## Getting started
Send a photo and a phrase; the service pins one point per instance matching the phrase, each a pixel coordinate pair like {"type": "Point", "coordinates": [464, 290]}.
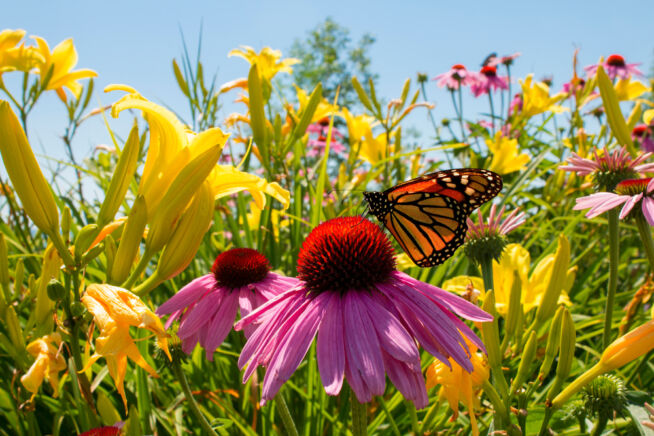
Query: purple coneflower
{"type": "Point", "coordinates": [368, 317]}
{"type": "Point", "coordinates": [629, 193]}
{"type": "Point", "coordinates": [609, 168]}
{"type": "Point", "coordinates": [458, 75]}
{"type": "Point", "coordinates": [239, 278]}
{"type": "Point", "coordinates": [644, 135]}
{"type": "Point", "coordinates": [486, 240]}
{"type": "Point", "coordinates": [615, 66]}
{"type": "Point", "coordinates": [488, 79]}
{"type": "Point", "coordinates": [575, 85]}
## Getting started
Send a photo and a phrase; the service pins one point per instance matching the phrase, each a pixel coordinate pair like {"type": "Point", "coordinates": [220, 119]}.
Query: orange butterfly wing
{"type": "Point", "coordinates": [427, 215]}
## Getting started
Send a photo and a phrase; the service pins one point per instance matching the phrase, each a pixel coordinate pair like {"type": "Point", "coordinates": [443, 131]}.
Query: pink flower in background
{"type": "Point", "coordinates": [316, 146]}
{"type": "Point", "coordinates": [644, 135]}
{"type": "Point", "coordinates": [633, 193]}
{"type": "Point", "coordinates": [458, 75]}
{"type": "Point", "coordinates": [504, 60]}
{"type": "Point", "coordinates": [239, 278]}
{"type": "Point", "coordinates": [487, 80]}
{"type": "Point", "coordinates": [516, 104]}
{"type": "Point", "coordinates": [574, 85]}
{"type": "Point", "coordinates": [615, 66]}
{"type": "Point", "coordinates": [369, 318]}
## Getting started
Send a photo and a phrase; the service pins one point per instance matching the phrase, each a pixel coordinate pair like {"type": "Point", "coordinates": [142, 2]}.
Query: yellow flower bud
{"type": "Point", "coordinates": [623, 350]}
{"type": "Point", "coordinates": [121, 178]}
{"type": "Point", "coordinates": [129, 242]}
{"type": "Point", "coordinates": [525, 362]}
{"type": "Point", "coordinates": [566, 353]}
{"type": "Point", "coordinates": [50, 270]}
{"type": "Point", "coordinates": [178, 196]}
{"type": "Point", "coordinates": [26, 176]}
{"type": "Point", "coordinates": [188, 235]}
{"type": "Point", "coordinates": [14, 329]}
{"type": "Point", "coordinates": [553, 341]}
{"type": "Point", "coordinates": [4, 273]}
{"type": "Point", "coordinates": [612, 108]}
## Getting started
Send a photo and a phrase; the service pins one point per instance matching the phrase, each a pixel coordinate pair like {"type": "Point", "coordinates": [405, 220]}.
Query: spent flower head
{"type": "Point", "coordinates": [369, 318]}
{"type": "Point", "coordinates": [240, 279]}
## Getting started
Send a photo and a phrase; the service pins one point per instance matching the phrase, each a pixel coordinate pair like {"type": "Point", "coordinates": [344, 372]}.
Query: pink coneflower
{"type": "Point", "coordinates": [485, 240]}
{"type": "Point", "coordinates": [239, 278]}
{"type": "Point", "coordinates": [109, 430]}
{"type": "Point", "coordinates": [609, 168]}
{"type": "Point", "coordinates": [615, 66]}
{"type": "Point", "coordinates": [316, 146]}
{"type": "Point", "coordinates": [516, 104]}
{"type": "Point", "coordinates": [644, 135]}
{"type": "Point", "coordinates": [368, 317]}
{"type": "Point", "coordinates": [574, 86]}
{"type": "Point", "coordinates": [458, 75]}
{"type": "Point", "coordinates": [488, 79]}
{"type": "Point", "coordinates": [504, 60]}
{"type": "Point", "coordinates": [629, 193]}
{"type": "Point", "coordinates": [495, 225]}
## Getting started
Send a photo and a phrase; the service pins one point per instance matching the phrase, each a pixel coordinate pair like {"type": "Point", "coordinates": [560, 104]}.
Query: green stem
{"type": "Point", "coordinates": [600, 425]}
{"type": "Point", "coordinates": [359, 418]}
{"type": "Point", "coordinates": [549, 411]}
{"type": "Point", "coordinates": [429, 417]}
{"type": "Point", "coordinates": [646, 236]}
{"type": "Point", "coordinates": [140, 267]}
{"type": "Point", "coordinates": [492, 110]}
{"type": "Point", "coordinates": [59, 244]}
{"type": "Point", "coordinates": [487, 274]}
{"type": "Point", "coordinates": [177, 370]}
{"type": "Point", "coordinates": [285, 415]}
{"type": "Point", "coordinates": [464, 137]}
{"type": "Point", "coordinates": [614, 259]}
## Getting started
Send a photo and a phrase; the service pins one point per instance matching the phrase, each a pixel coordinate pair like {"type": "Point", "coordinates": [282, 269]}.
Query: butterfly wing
{"type": "Point", "coordinates": [429, 227]}
{"type": "Point", "coordinates": [427, 215]}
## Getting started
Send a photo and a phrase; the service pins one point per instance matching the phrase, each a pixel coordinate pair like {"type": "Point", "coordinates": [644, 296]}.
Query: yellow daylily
{"type": "Point", "coordinates": [324, 110]}
{"type": "Point", "coordinates": [536, 98]}
{"type": "Point", "coordinates": [49, 362]}
{"type": "Point", "coordinates": [374, 148]}
{"type": "Point", "coordinates": [267, 60]}
{"type": "Point", "coordinates": [468, 287]}
{"type": "Point", "coordinates": [648, 116]}
{"type": "Point", "coordinates": [506, 158]}
{"type": "Point", "coordinates": [623, 350]}
{"type": "Point", "coordinates": [358, 126]}
{"type": "Point", "coordinates": [17, 57]}
{"type": "Point", "coordinates": [172, 146]}
{"type": "Point", "coordinates": [61, 62]}
{"type": "Point", "coordinates": [457, 384]}
{"type": "Point", "coordinates": [516, 258]}
{"type": "Point", "coordinates": [114, 311]}
{"type": "Point", "coordinates": [627, 89]}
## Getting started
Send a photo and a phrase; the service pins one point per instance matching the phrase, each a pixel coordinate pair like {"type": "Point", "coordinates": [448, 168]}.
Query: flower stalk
{"type": "Point", "coordinates": [646, 237]}
{"type": "Point", "coordinates": [285, 415]}
{"type": "Point", "coordinates": [177, 370]}
{"type": "Point", "coordinates": [614, 259]}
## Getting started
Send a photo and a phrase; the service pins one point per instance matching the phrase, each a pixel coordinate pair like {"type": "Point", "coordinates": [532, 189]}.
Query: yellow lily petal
{"type": "Point", "coordinates": [226, 180]}
{"type": "Point", "coordinates": [506, 157]}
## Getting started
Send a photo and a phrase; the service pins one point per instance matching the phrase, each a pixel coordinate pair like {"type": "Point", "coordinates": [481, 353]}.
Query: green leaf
{"type": "Point", "coordinates": [307, 114]}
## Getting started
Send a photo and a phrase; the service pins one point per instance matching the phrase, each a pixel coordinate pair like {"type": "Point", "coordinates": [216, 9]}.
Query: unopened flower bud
{"type": "Point", "coordinates": [56, 290]}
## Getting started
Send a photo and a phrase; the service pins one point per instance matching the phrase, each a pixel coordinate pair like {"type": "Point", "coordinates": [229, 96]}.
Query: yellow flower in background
{"type": "Point", "coordinates": [374, 148]}
{"type": "Point", "coordinates": [358, 126]}
{"type": "Point", "coordinates": [267, 60]}
{"type": "Point", "coordinates": [536, 98]}
{"type": "Point", "coordinates": [325, 109]}
{"type": "Point", "coordinates": [114, 311]}
{"type": "Point", "coordinates": [648, 116]}
{"type": "Point", "coordinates": [226, 180]}
{"type": "Point", "coordinates": [516, 258]}
{"type": "Point", "coordinates": [58, 65]}
{"type": "Point", "coordinates": [49, 362]}
{"type": "Point", "coordinates": [17, 57]}
{"type": "Point", "coordinates": [627, 89]}
{"type": "Point", "coordinates": [457, 384]}
{"type": "Point", "coordinates": [467, 287]}
{"type": "Point", "coordinates": [506, 158]}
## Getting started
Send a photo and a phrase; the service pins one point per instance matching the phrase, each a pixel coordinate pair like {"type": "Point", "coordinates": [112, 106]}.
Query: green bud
{"type": "Point", "coordinates": [515, 308]}
{"type": "Point", "coordinates": [14, 329]}
{"type": "Point", "coordinates": [566, 353]}
{"type": "Point", "coordinates": [557, 281]}
{"type": "Point", "coordinates": [93, 253]}
{"type": "Point", "coordinates": [525, 362]}
{"type": "Point", "coordinates": [65, 223]}
{"type": "Point", "coordinates": [77, 309]}
{"type": "Point", "coordinates": [19, 276]}
{"type": "Point", "coordinates": [604, 396]}
{"type": "Point", "coordinates": [85, 238]}
{"type": "Point", "coordinates": [123, 175]}
{"type": "Point", "coordinates": [553, 341]}
{"type": "Point", "coordinates": [128, 247]}
{"type": "Point", "coordinates": [56, 290]}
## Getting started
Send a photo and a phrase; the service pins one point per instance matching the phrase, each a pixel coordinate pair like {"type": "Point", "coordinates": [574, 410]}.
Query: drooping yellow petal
{"type": "Point", "coordinates": [226, 180]}
{"type": "Point", "coordinates": [627, 89]}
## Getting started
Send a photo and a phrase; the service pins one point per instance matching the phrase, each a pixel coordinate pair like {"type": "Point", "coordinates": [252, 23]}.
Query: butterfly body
{"type": "Point", "coordinates": [427, 215]}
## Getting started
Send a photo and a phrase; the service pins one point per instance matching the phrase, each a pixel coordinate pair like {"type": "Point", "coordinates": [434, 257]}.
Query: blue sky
{"type": "Point", "coordinates": [133, 42]}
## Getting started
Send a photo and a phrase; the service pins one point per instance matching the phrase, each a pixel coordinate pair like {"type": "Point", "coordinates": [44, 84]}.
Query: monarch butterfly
{"type": "Point", "coordinates": [427, 215]}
